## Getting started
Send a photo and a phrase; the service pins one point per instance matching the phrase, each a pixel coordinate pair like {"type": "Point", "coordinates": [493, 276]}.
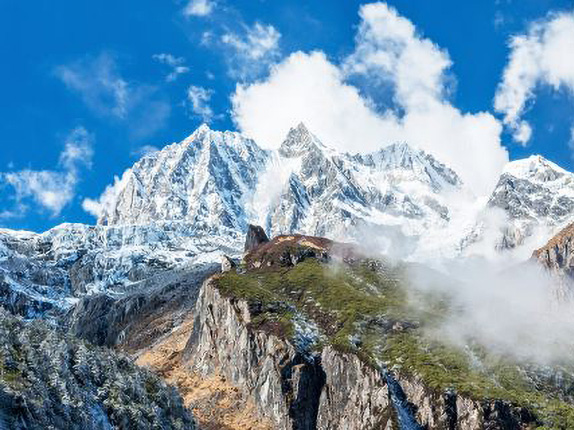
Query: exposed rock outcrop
{"type": "Point", "coordinates": [557, 256]}
{"type": "Point", "coordinates": [558, 253]}
{"type": "Point", "coordinates": [298, 390]}
{"type": "Point", "coordinates": [227, 264]}
{"type": "Point", "coordinates": [354, 397]}
{"type": "Point", "coordinates": [256, 236]}
{"type": "Point", "coordinates": [290, 250]}
{"type": "Point", "coordinates": [284, 384]}
{"type": "Point", "coordinates": [135, 320]}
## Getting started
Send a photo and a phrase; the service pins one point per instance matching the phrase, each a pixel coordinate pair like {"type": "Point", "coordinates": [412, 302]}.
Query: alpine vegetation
{"type": "Point", "coordinates": [49, 379]}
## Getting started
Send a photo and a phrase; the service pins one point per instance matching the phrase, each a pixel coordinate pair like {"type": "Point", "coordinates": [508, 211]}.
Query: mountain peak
{"type": "Point", "coordinates": [201, 131]}
{"type": "Point", "coordinates": [302, 128]}
{"type": "Point", "coordinates": [535, 168]}
{"type": "Point", "coordinates": [300, 141]}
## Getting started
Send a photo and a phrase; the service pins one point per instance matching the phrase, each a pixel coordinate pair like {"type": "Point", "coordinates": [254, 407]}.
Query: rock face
{"type": "Point", "coordinates": [255, 236]}
{"type": "Point", "coordinates": [354, 395]}
{"type": "Point", "coordinates": [299, 390]}
{"type": "Point", "coordinates": [283, 383]}
{"type": "Point", "coordinates": [137, 319]}
{"type": "Point", "coordinates": [557, 255]}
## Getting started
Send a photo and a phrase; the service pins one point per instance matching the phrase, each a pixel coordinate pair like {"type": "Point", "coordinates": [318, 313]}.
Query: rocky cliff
{"type": "Point", "coordinates": [304, 370]}
{"type": "Point", "coordinates": [556, 255]}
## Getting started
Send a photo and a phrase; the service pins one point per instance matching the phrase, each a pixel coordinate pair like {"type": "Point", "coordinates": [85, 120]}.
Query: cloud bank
{"type": "Point", "coordinates": [391, 56]}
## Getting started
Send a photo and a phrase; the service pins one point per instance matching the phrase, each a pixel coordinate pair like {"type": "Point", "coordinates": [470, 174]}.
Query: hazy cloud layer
{"type": "Point", "coordinates": [102, 88]}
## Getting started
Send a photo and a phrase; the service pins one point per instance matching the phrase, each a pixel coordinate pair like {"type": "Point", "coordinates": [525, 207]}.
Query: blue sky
{"type": "Point", "coordinates": [87, 87]}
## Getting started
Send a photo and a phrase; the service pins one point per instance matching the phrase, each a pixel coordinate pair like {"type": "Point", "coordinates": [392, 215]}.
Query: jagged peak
{"type": "Point", "coordinates": [302, 128]}
{"type": "Point", "coordinates": [402, 158]}
{"type": "Point", "coordinates": [535, 168]}
{"type": "Point", "coordinates": [402, 149]}
{"type": "Point", "coordinates": [202, 129]}
{"type": "Point", "coordinates": [300, 141]}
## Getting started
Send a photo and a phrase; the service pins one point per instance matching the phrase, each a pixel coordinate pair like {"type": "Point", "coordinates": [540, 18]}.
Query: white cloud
{"type": "Point", "coordinates": [98, 83]}
{"type": "Point", "coordinates": [389, 54]}
{"type": "Point", "coordinates": [542, 56]}
{"type": "Point", "coordinates": [252, 50]}
{"type": "Point", "coordinates": [199, 8]}
{"type": "Point", "coordinates": [97, 207]}
{"type": "Point", "coordinates": [78, 150]}
{"type": "Point", "coordinates": [177, 65]}
{"type": "Point", "coordinates": [105, 92]}
{"type": "Point", "coordinates": [54, 189]}
{"type": "Point", "coordinates": [389, 51]}
{"type": "Point", "coordinates": [198, 102]}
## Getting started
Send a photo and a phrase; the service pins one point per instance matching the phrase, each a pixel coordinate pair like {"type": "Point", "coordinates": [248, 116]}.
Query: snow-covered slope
{"type": "Point", "coordinates": [538, 198]}
{"type": "Point", "coordinates": [201, 181]}
{"type": "Point", "coordinates": [45, 274]}
{"type": "Point", "coordinates": [345, 196]}
{"type": "Point", "coordinates": [192, 201]}
{"type": "Point", "coordinates": [219, 181]}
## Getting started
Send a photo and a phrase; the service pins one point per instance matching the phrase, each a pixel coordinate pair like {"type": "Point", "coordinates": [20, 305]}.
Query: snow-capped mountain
{"type": "Point", "coordinates": [201, 181]}
{"type": "Point", "coordinates": [192, 201]}
{"type": "Point", "coordinates": [220, 181]}
{"type": "Point", "coordinates": [537, 196]}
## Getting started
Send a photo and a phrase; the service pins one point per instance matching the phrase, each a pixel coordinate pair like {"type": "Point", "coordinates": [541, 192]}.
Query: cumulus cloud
{"type": "Point", "coordinates": [541, 56]}
{"type": "Point", "coordinates": [198, 101]}
{"type": "Point", "coordinates": [199, 8]}
{"type": "Point", "coordinates": [176, 64]}
{"type": "Point", "coordinates": [390, 57]}
{"type": "Point", "coordinates": [389, 50]}
{"type": "Point", "coordinates": [99, 84]}
{"type": "Point", "coordinates": [53, 189]}
{"type": "Point", "coordinates": [251, 50]}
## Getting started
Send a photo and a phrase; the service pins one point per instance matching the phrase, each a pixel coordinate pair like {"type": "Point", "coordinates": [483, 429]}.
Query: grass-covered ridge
{"type": "Point", "coordinates": [364, 306]}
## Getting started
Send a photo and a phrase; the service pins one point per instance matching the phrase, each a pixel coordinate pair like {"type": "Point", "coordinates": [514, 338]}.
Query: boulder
{"type": "Point", "coordinates": [255, 237]}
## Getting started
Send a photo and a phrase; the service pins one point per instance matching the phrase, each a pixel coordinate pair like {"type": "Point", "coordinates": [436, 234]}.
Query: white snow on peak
{"type": "Point", "coordinates": [536, 168]}
{"type": "Point", "coordinates": [191, 201]}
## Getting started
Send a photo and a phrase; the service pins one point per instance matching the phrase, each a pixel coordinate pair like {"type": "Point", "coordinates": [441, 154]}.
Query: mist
{"type": "Point", "coordinates": [512, 310]}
